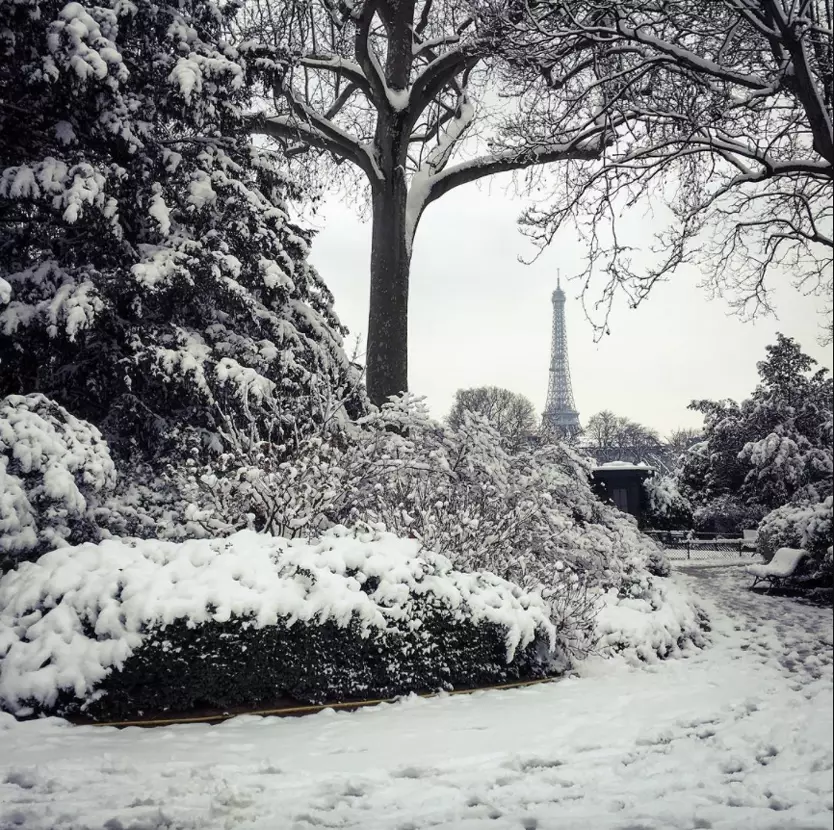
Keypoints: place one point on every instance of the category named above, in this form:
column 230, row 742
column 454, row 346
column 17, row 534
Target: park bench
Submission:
column 783, row 566
column 748, row 543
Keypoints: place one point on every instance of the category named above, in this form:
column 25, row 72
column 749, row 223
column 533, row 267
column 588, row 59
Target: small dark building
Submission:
column 622, row 483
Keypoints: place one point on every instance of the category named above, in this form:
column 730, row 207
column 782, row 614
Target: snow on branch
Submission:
column 433, row 180
column 335, row 63
column 439, row 73
column 418, row 49
column 322, row 134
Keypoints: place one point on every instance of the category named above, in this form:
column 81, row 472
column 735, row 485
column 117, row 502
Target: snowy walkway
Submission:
column 737, row 737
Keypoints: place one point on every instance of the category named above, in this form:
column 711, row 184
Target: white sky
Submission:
column 480, row 317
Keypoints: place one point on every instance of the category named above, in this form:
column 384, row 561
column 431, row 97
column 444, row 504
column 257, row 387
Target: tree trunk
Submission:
column 387, row 354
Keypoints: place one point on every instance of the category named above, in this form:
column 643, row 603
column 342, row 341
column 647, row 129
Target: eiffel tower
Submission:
column 560, row 419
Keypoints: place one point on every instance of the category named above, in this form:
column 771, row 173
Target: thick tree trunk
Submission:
column 387, row 354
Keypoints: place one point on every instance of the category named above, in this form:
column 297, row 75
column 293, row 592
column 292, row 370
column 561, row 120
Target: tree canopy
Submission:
column 510, row 414
column 719, row 110
column 773, row 448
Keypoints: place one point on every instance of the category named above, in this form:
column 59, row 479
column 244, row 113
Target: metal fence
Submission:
column 680, row 545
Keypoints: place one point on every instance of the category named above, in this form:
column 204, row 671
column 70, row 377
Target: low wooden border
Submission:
column 296, row 711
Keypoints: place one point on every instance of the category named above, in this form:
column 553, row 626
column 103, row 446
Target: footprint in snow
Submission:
column 413, row 772
column 533, row 762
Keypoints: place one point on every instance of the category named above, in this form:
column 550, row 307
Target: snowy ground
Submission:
column 737, row 737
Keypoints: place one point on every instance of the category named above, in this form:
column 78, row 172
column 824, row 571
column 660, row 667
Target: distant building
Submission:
column 622, row 483
column 560, row 418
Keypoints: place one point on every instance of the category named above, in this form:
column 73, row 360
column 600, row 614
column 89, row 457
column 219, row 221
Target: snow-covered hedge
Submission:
column 54, row 469
column 132, row 625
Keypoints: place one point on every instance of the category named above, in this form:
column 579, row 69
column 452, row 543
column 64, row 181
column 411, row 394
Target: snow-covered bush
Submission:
column 152, row 277
column 530, row 517
column 150, row 505
column 54, row 471
column 727, row 514
column 456, row 490
column 130, row 625
column 805, row 526
column 656, row 621
column 796, row 526
column 666, row 508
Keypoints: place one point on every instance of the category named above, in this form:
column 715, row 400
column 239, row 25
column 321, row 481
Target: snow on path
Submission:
column 737, row 737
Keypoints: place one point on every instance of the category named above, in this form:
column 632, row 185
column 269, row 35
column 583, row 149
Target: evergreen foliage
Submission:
column 772, row 449
column 54, row 471
column 152, row 281
column 666, row 508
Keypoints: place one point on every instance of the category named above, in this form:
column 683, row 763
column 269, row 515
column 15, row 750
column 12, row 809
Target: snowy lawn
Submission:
column 735, row 737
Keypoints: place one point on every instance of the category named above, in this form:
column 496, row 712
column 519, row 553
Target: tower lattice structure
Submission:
column 560, row 416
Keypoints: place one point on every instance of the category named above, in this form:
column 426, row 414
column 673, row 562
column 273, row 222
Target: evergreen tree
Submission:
column 773, row 448
column 151, row 278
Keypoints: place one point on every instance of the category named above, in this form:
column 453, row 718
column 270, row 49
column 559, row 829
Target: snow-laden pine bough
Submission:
column 130, row 626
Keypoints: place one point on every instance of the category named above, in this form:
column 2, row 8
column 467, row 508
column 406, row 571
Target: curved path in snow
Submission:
column 737, row 737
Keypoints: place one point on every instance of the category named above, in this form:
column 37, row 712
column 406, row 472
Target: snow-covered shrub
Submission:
column 796, row 526
column 655, row 620
column 530, row 517
column 150, row 505
column 152, row 276
column 130, row 625
column 55, row 470
column 727, row 514
column 805, row 526
column 666, row 508
column 456, row 490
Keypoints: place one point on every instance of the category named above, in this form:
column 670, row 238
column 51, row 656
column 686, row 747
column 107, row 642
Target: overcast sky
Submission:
column 480, row 317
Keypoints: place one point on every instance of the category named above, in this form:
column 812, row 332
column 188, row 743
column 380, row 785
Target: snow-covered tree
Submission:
column 400, row 91
column 680, row 440
column 773, row 448
column 512, row 415
column 711, row 468
column 152, row 281
column 725, row 110
column 611, row 437
column 666, row 508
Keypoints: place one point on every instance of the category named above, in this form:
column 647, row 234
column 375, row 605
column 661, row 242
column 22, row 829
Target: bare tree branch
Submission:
column 729, row 129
